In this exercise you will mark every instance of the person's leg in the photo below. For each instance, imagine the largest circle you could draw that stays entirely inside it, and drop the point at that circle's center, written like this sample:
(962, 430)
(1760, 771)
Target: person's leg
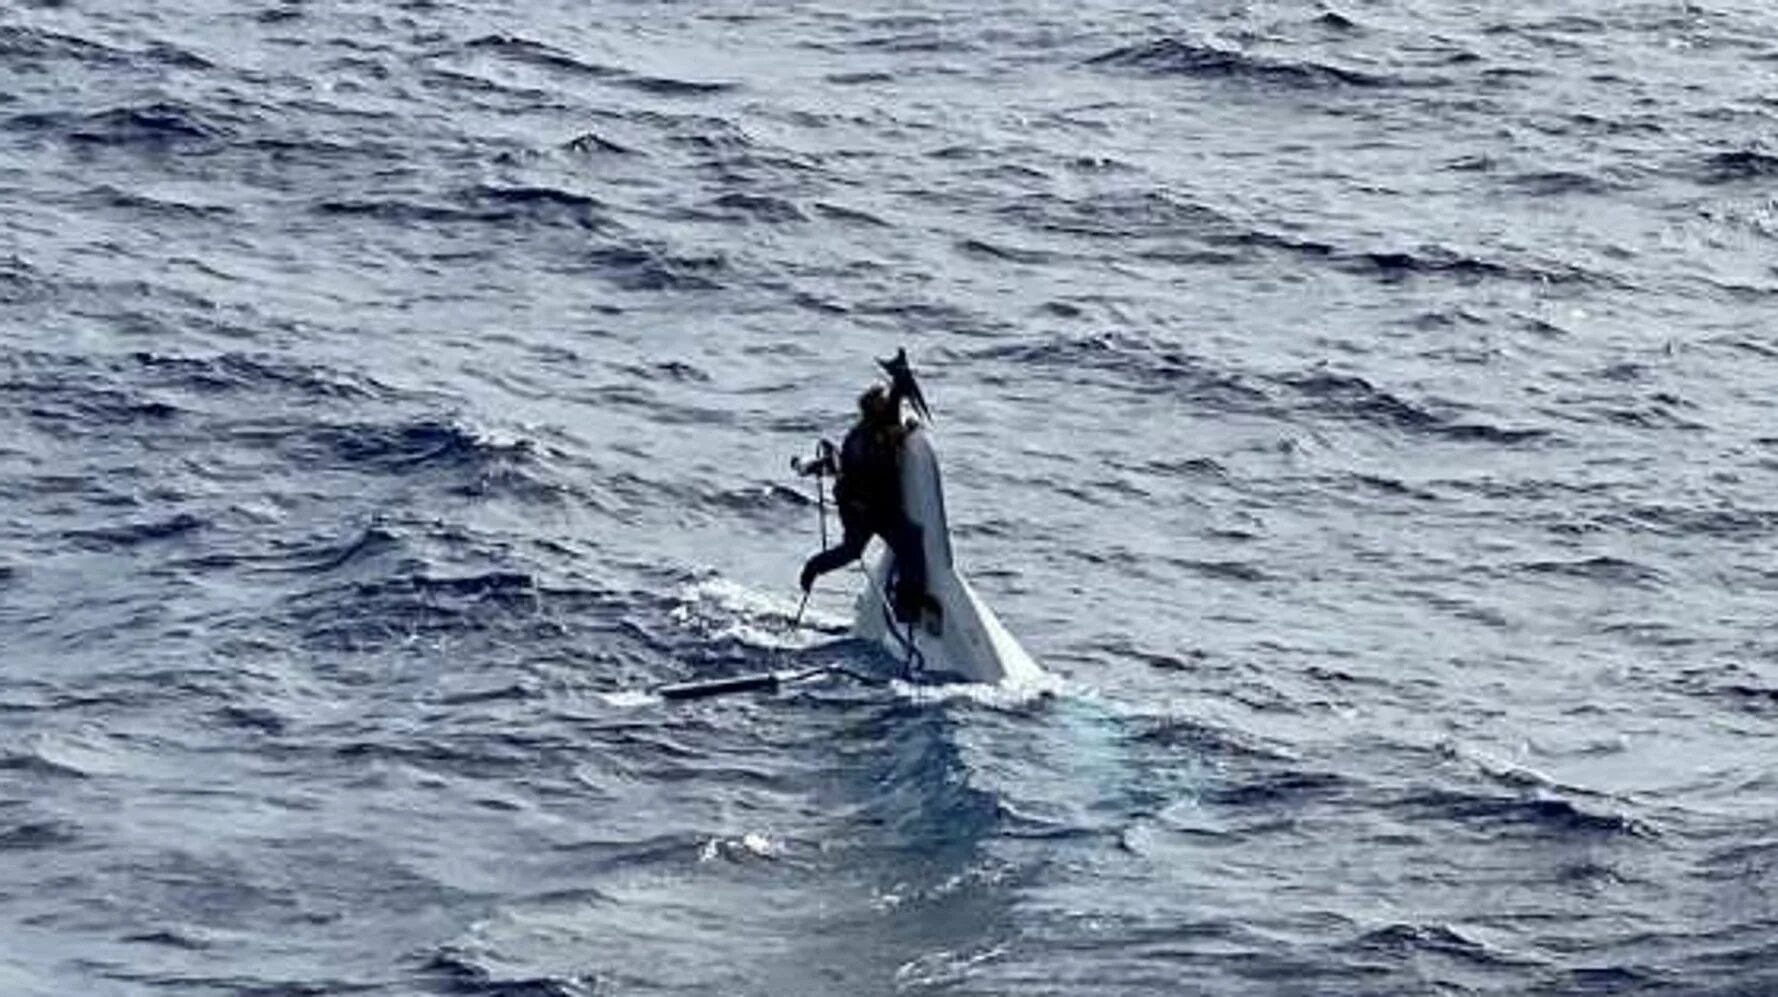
(850, 547)
(905, 540)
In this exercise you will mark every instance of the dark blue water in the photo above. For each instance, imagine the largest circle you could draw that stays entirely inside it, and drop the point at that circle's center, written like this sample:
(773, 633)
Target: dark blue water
(1363, 409)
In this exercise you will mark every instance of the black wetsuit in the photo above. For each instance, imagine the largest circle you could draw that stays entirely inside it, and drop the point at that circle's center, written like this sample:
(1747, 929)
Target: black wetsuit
(868, 493)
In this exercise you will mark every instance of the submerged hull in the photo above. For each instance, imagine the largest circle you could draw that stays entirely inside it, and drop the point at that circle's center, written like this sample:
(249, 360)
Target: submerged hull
(964, 640)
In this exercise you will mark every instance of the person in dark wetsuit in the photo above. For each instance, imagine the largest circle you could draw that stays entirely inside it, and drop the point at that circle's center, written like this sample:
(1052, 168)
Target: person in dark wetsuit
(868, 492)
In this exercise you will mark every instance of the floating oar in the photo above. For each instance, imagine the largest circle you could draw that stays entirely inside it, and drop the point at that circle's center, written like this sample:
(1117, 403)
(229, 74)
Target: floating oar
(753, 682)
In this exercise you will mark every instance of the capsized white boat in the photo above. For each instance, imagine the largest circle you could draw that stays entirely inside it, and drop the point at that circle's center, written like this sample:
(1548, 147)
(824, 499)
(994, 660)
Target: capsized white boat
(964, 640)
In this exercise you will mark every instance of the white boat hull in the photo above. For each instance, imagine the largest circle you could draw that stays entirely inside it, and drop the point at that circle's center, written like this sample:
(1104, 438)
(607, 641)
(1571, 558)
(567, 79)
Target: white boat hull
(965, 641)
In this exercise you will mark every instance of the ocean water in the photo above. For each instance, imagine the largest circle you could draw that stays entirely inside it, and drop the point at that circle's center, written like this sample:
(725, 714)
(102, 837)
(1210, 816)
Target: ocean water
(1362, 409)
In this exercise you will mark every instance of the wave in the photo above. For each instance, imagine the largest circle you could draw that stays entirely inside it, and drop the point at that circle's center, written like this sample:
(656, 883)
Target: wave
(757, 207)
(1287, 788)
(667, 370)
(378, 446)
(486, 204)
(1603, 569)
(702, 132)
(387, 446)
(134, 534)
(1755, 699)
(1186, 230)
(1437, 939)
(1200, 738)
(1393, 487)
(38, 834)
(459, 460)
(920, 790)
(1173, 56)
(369, 544)
(23, 46)
(34, 763)
(480, 753)
(1624, 980)
(55, 399)
(851, 216)
(587, 143)
(1656, 413)
(773, 498)
(172, 56)
(20, 282)
(518, 48)
(1191, 467)
(648, 267)
(1002, 253)
(1354, 397)
(1558, 183)
(228, 373)
(184, 938)
(19, 43)
(257, 719)
(159, 126)
(1738, 166)
(1132, 364)
(1232, 571)
(1564, 34)
(137, 203)
(464, 85)
(1692, 521)
(860, 78)
(1398, 265)
(1128, 214)
(1734, 862)
(415, 600)
(668, 86)
(538, 204)
(1537, 814)
(472, 975)
(921, 41)
(399, 211)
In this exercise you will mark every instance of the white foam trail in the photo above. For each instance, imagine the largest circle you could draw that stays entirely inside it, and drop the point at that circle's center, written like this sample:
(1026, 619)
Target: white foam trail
(629, 699)
(751, 845)
(1006, 696)
(721, 608)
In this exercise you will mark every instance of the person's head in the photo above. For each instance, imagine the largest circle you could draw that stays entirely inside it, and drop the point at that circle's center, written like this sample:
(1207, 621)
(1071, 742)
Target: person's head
(875, 405)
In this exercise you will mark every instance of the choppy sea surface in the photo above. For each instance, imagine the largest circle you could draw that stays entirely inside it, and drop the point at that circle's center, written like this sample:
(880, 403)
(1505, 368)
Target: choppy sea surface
(1362, 409)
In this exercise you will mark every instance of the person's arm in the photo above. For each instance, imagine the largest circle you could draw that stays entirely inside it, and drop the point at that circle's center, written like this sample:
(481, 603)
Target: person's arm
(826, 461)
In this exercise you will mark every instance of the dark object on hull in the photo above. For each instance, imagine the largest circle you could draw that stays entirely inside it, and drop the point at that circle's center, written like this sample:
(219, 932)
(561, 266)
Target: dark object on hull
(901, 375)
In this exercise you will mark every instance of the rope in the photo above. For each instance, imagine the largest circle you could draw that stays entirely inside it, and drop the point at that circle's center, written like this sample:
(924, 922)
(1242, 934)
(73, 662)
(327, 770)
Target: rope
(821, 506)
(915, 657)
